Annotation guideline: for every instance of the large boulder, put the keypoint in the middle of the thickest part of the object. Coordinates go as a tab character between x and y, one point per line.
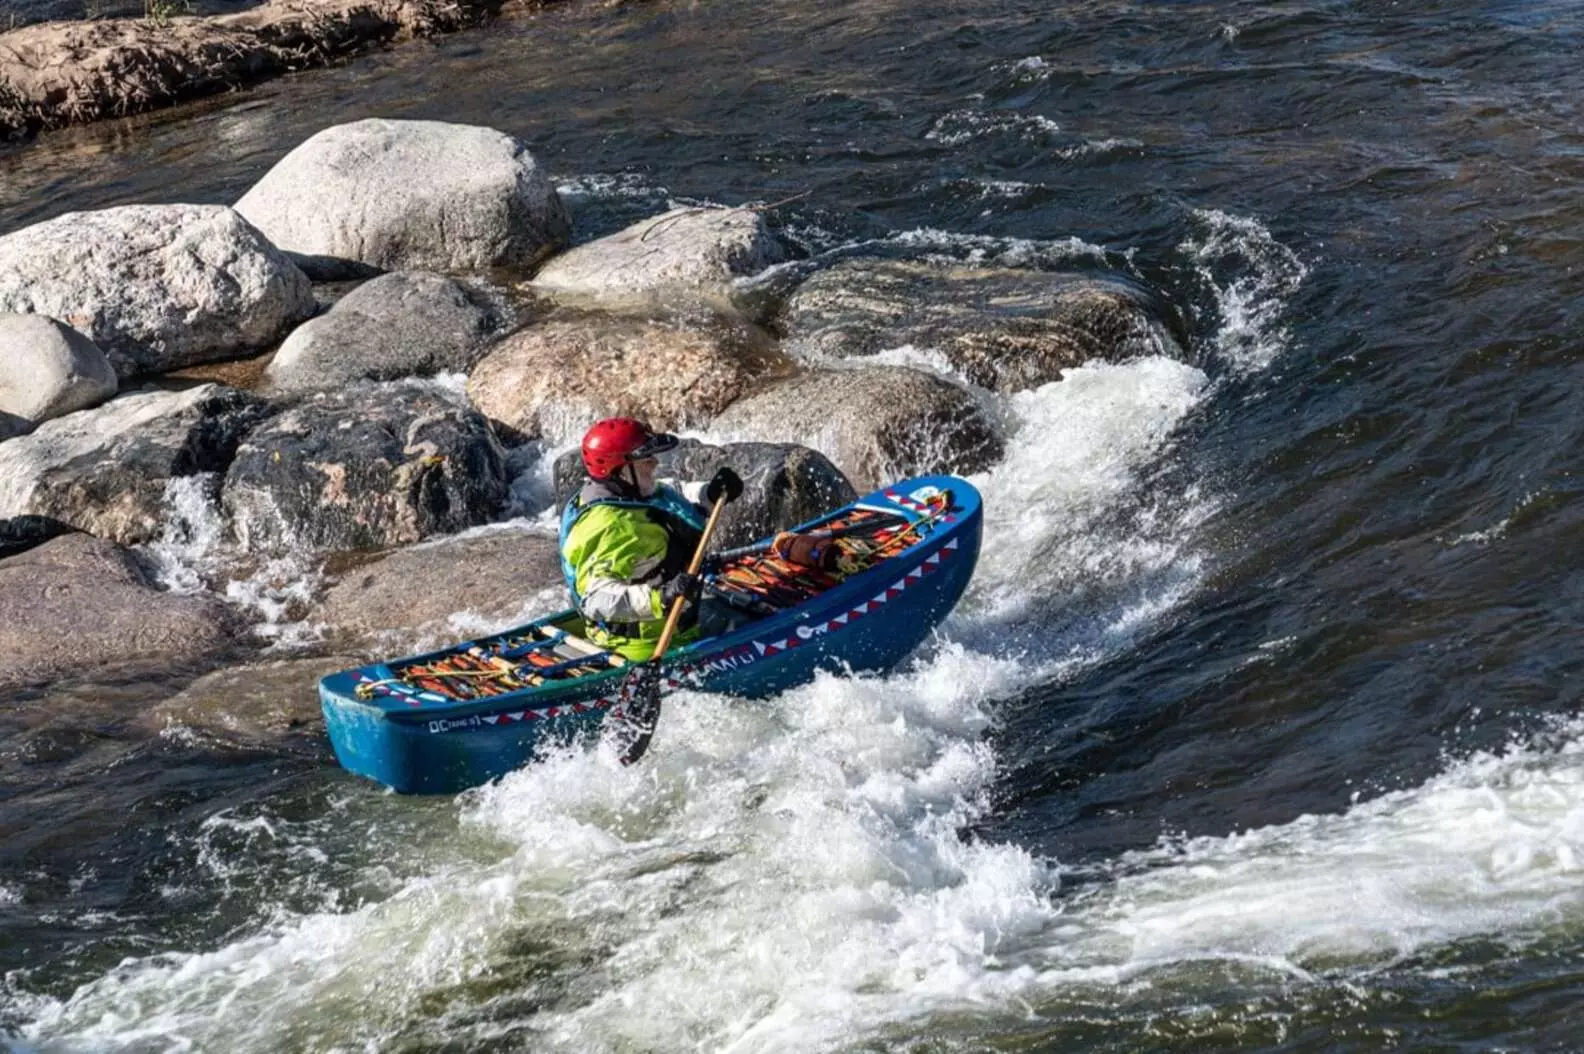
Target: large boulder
366	468
156	286
105	470
1000	328
422	195
401	324
48	369
686	249
877	424
783	484
556	378
77	602
448	588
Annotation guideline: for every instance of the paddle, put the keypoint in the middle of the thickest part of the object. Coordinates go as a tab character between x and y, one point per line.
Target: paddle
642	707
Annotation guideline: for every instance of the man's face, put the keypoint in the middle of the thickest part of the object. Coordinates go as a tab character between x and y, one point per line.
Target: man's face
644	470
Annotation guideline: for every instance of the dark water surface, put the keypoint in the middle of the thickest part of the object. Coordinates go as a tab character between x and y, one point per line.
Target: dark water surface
1258	730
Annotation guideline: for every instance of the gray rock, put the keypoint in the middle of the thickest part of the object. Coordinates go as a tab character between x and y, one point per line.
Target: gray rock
448	589
699	249
269	705
877	424
156	286
1003	329
783	485
18	534
105	470
556	378
49	369
399	325
367	468
12	426
78	603
411	194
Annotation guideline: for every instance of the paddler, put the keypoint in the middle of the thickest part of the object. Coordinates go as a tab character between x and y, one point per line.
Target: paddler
627	537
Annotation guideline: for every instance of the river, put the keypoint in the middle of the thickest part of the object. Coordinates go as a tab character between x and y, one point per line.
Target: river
1257	730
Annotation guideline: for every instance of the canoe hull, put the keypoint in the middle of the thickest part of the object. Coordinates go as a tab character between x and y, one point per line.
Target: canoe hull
870	622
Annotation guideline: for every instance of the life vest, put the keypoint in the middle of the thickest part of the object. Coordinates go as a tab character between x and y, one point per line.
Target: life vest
666	506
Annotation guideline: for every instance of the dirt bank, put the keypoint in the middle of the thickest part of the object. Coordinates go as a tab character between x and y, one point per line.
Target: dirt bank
59	73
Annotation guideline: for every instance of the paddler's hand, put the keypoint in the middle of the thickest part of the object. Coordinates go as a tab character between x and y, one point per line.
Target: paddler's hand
725	483
683	585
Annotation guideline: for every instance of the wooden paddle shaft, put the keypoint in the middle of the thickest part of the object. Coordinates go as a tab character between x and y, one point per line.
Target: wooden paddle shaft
675	614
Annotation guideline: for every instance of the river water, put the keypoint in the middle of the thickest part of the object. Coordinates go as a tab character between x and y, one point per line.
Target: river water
1257	729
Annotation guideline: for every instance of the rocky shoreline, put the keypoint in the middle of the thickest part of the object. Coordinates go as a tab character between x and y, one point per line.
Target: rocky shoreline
54	74
395	412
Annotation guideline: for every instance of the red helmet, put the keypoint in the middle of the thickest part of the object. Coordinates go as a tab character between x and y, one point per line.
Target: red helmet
613	442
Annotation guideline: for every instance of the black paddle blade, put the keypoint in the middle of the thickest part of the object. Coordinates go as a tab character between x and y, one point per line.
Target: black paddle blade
640	712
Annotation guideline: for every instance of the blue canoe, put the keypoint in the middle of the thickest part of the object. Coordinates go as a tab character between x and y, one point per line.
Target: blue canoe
455	718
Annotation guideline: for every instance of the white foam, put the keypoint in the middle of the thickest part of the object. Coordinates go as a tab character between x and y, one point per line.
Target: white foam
964	126
1252	277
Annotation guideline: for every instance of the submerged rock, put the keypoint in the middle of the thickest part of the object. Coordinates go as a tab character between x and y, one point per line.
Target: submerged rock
556	378
50	369
445	590
398	325
420	195
686	249
265	704
77	603
367	468
877	424
156	286
106	470
1001	328
783	484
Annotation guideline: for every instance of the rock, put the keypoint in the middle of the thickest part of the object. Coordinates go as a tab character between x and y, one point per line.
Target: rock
556	378
18	534
399	325
877	424
449	589
69	72
264	704
105	470
700	249
77	603
421	195
50	369
156	286
12	426
783	485
1001	328
366	468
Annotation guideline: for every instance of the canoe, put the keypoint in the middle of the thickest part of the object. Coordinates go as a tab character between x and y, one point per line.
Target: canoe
446	720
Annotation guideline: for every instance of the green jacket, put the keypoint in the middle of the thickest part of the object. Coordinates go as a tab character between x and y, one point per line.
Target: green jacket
617	553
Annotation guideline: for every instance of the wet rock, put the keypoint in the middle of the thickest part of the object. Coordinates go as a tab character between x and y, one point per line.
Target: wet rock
50	369
77	603
106	470
18	534
556	378
421	195
1001	328
12	426
447	590
699	249
783	484
155	286
265	704
70	72
366	468
877	424
399	325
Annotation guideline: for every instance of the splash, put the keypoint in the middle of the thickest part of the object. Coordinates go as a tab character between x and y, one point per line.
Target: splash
1252	278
